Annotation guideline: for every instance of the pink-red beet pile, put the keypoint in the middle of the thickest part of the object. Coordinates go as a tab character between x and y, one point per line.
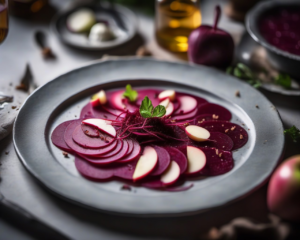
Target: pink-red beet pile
99	156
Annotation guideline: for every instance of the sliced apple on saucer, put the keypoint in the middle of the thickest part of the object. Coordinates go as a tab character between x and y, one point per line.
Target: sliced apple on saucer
196	160
197	133
99	99
167	94
146	163
171	175
103	125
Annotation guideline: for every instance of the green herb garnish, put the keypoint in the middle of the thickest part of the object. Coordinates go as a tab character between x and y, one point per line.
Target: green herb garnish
283	80
293	132
146	109
243	72
130	93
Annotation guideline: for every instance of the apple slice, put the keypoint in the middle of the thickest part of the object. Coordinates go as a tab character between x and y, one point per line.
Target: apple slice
196	160
102	125
165	102
187	104
170	94
99	98
169	109
171	174
197	133
146	163
81	20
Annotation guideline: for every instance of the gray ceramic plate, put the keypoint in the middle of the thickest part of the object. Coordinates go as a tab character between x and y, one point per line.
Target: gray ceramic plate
62	99
121	20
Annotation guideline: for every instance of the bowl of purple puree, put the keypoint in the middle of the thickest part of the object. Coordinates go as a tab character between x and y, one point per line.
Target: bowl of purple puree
276	26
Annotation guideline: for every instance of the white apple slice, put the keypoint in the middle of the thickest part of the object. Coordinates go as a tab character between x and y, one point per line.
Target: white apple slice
170	94
196	160
169	109
197	133
165	102
95	100
171	174
102	125
146	163
188	104
102	97
81	20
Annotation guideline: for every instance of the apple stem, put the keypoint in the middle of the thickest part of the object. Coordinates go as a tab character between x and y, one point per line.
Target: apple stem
217	17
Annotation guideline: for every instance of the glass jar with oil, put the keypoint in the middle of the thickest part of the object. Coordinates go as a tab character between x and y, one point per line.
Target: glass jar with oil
175	20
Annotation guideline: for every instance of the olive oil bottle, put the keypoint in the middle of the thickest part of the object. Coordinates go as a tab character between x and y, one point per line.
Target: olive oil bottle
175	20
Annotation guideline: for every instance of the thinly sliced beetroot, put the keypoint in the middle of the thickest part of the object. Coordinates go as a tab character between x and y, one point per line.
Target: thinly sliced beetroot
88	170
57	136
220	112
120	145
203	117
163	161
187	116
110	159
136	152
178	157
130	147
152	94
99	112
217	140
176	104
87	111
218	162
90	130
238	134
81	150
90	142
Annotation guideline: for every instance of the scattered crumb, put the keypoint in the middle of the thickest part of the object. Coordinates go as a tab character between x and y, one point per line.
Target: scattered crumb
186	124
233	128
248	129
17	109
126	187
237	94
243	124
220	155
222	125
214	116
217	151
66	155
257	106
7	152
172	121
13	107
75	115
22	86
226	131
241	136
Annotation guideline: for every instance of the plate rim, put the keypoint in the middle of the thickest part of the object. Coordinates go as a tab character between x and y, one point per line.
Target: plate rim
145	213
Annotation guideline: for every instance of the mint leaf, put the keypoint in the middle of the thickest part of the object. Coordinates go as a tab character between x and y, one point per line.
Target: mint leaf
130	93
146	108
283	80
159	111
293	132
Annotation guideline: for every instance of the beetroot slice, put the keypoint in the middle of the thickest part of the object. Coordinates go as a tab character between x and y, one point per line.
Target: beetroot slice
57	136
163	161
120	145
87	111
112	110
211	108
238	134
99	112
218	140
110	159
90	130
203	117
133	155
178	157
93	172
130	147
86	151
218	162
90	142
187	116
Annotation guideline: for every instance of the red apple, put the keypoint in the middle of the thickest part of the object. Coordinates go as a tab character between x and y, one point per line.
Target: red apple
284	190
